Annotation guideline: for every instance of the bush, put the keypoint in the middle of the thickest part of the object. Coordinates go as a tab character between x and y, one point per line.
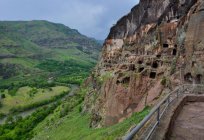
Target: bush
3	96
163	81
2	115
1	104
12	92
21	129
80	109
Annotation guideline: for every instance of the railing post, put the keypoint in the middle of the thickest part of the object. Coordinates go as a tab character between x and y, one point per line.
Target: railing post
158	115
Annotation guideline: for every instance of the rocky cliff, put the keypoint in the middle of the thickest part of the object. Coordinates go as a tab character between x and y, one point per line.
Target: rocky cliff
149	52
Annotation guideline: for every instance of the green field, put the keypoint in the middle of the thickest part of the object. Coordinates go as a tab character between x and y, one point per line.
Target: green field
26	96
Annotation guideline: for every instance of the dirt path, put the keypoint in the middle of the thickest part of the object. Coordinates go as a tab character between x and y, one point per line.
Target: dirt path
189	124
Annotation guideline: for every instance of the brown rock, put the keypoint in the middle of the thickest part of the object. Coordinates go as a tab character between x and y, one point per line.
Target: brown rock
154	48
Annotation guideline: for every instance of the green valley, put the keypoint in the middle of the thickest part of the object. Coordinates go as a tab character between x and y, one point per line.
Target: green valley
30	50
41	64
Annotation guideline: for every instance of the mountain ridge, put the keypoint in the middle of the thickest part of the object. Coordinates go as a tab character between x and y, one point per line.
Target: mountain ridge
27	44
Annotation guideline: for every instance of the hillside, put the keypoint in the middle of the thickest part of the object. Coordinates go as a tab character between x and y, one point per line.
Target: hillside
148	53
41	50
42	65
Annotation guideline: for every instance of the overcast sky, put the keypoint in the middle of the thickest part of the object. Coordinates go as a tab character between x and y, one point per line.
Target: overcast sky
91	17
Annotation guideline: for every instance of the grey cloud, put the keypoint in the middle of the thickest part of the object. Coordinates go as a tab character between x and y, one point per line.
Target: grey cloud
91	17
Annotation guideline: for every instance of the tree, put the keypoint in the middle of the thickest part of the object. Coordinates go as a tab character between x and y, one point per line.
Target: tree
10	120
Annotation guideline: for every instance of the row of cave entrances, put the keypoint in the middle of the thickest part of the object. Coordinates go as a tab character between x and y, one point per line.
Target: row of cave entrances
154	65
126	80
141	69
193	80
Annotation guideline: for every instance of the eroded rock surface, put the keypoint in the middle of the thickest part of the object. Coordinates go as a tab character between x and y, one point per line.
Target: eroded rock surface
150	51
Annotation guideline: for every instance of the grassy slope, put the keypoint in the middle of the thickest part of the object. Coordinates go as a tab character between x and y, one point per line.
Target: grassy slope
75	126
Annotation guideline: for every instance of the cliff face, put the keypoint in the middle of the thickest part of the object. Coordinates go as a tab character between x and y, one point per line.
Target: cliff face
149	52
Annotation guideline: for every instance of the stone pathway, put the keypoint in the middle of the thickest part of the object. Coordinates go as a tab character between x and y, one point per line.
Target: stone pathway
189	124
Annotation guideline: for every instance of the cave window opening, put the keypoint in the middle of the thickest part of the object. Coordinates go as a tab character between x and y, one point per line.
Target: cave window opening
126	80
152	75
140	62
174	52
165	45
158	55
132	68
155	65
117	82
141	69
193	63
198	79
188	78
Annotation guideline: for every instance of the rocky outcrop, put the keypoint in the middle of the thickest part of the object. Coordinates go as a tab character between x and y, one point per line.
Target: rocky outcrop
150	51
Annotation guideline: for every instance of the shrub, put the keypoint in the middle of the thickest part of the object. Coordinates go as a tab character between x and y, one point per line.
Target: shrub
1	104
3	96
2	115
163	81
12	92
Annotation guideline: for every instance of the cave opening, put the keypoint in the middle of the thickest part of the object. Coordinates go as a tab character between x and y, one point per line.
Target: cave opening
158	55
140	62
188	78
141	69
198	79
152	75
126	80
193	63
155	65
132	67
174	52
165	45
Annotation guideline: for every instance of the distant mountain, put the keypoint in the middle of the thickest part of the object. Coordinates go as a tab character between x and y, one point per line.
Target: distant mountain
46	34
27	47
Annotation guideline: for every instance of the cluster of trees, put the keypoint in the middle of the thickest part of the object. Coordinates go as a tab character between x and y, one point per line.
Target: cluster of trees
40	83
71	102
8	70
69	71
21	129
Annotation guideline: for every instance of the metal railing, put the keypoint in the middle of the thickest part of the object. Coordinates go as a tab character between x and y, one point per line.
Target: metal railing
146	127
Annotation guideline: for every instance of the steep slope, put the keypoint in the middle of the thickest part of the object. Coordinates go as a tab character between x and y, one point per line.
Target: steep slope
149	52
40	50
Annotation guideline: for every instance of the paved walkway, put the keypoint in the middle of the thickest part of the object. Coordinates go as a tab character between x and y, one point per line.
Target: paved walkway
189	125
